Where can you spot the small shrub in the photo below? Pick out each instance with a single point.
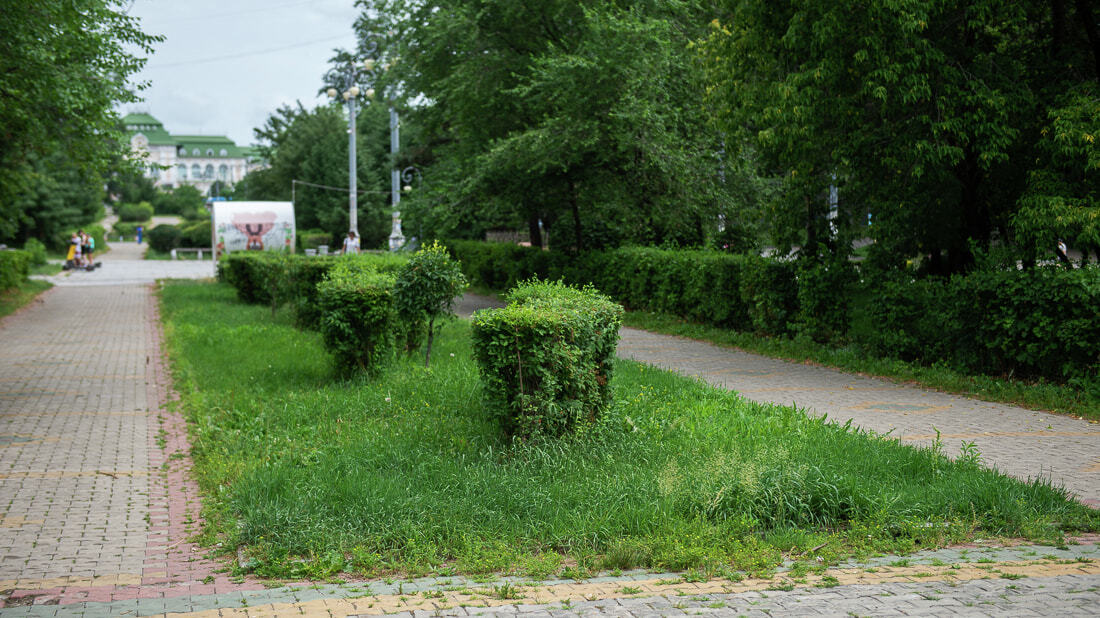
(164, 238)
(126, 230)
(546, 358)
(425, 290)
(196, 234)
(358, 319)
(14, 267)
(134, 213)
(36, 249)
(241, 270)
(824, 292)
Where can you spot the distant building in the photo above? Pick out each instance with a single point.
(196, 160)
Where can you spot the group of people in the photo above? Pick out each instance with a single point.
(81, 250)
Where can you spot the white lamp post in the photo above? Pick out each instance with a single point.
(347, 79)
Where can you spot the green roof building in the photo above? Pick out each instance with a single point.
(196, 160)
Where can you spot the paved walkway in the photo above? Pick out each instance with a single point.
(98, 504)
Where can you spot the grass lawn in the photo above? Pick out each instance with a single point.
(403, 474)
(11, 300)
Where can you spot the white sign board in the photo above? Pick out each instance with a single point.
(252, 226)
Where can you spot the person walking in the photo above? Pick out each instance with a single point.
(351, 243)
(140, 231)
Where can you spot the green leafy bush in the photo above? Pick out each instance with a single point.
(425, 290)
(546, 358)
(241, 269)
(1039, 323)
(164, 237)
(825, 290)
(37, 251)
(14, 267)
(126, 230)
(358, 318)
(134, 213)
(196, 234)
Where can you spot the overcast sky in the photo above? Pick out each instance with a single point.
(226, 65)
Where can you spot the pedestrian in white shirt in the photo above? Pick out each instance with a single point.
(351, 243)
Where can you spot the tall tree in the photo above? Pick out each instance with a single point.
(925, 113)
(585, 116)
(64, 67)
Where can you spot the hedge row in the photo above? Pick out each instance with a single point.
(14, 268)
(732, 291)
(1040, 323)
(546, 358)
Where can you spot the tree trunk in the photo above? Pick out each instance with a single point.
(428, 351)
(575, 207)
(810, 249)
(533, 230)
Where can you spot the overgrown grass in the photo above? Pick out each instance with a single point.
(404, 473)
(1060, 398)
(15, 298)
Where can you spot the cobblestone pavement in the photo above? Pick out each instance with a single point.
(98, 505)
(123, 265)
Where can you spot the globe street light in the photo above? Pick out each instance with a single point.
(344, 82)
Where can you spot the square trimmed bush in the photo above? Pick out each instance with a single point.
(546, 358)
(358, 318)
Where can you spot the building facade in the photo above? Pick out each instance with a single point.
(196, 160)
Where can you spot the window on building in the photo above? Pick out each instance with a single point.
(196, 171)
(182, 171)
(223, 152)
(209, 152)
(183, 151)
(209, 172)
(195, 151)
(223, 171)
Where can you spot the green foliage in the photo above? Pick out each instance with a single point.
(37, 250)
(825, 290)
(358, 319)
(242, 270)
(164, 237)
(179, 201)
(735, 291)
(126, 230)
(14, 267)
(196, 234)
(546, 358)
(1040, 323)
(65, 68)
(426, 289)
(927, 115)
(588, 117)
(135, 213)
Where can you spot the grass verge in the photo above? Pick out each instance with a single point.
(1059, 398)
(405, 474)
(13, 299)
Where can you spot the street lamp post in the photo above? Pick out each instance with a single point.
(347, 79)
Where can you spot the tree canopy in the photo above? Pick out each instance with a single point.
(64, 67)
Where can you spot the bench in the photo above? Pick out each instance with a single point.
(198, 250)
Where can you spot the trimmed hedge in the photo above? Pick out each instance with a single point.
(546, 358)
(135, 213)
(1039, 323)
(740, 292)
(163, 238)
(195, 234)
(14, 268)
(359, 321)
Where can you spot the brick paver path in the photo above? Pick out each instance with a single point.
(98, 503)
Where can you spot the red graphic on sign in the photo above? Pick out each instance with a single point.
(254, 225)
